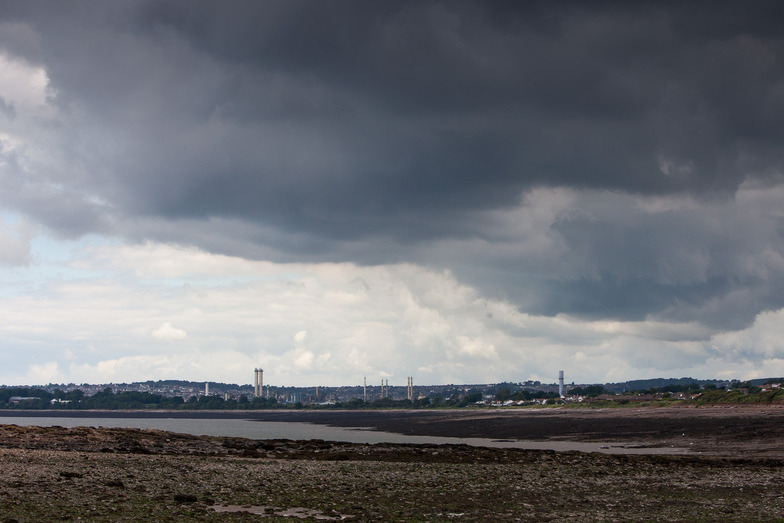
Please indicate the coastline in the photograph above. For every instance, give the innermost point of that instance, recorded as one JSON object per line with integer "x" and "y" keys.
{"x": 716, "y": 430}
{"x": 146, "y": 475}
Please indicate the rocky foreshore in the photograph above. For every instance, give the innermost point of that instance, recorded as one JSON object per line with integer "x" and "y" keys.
{"x": 103, "y": 474}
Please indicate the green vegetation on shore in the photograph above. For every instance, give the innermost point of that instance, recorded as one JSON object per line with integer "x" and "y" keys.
{"x": 738, "y": 396}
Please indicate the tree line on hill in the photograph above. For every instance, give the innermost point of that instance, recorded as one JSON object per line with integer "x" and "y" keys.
{"x": 737, "y": 392}
{"x": 35, "y": 398}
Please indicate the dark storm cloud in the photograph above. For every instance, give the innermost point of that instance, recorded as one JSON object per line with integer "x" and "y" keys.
{"x": 425, "y": 104}
{"x": 363, "y": 131}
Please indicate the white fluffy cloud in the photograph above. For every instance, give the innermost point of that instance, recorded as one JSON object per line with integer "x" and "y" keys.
{"x": 168, "y": 333}
{"x": 47, "y": 372}
{"x": 331, "y": 324}
{"x": 22, "y": 85}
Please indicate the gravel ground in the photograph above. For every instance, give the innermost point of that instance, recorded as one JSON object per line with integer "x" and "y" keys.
{"x": 56, "y": 474}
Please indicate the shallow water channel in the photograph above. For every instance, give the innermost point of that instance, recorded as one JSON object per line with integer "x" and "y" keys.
{"x": 305, "y": 431}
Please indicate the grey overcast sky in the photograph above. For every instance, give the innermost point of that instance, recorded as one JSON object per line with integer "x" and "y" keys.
{"x": 457, "y": 191}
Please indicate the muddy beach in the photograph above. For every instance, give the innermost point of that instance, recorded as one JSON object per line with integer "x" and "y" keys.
{"x": 734, "y": 473}
{"x": 713, "y": 430}
{"x": 716, "y": 430}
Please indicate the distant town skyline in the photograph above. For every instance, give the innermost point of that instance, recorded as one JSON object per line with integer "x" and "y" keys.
{"x": 456, "y": 191}
{"x": 312, "y": 393}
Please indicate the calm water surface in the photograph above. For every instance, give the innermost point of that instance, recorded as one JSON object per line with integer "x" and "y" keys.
{"x": 291, "y": 430}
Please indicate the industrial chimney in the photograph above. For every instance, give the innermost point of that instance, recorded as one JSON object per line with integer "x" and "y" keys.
{"x": 560, "y": 383}
{"x": 258, "y": 382}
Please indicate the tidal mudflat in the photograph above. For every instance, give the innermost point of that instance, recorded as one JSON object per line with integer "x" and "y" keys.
{"x": 105, "y": 474}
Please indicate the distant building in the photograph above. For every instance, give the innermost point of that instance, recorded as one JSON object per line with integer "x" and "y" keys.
{"x": 17, "y": 399}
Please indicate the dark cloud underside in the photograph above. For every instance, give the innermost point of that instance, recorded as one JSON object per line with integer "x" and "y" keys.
{"x": 402, "y": 123}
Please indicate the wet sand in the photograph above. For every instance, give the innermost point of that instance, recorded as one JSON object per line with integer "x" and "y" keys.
{"x": 717, "y": 431}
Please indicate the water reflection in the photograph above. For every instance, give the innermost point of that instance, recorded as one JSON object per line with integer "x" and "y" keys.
{"x": 304, "y": 431}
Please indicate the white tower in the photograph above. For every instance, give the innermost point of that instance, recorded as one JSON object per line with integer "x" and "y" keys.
{"x": 560, "y": 383}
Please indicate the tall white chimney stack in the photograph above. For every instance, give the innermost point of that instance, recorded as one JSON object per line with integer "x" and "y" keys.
{"x": 560, "y": 383}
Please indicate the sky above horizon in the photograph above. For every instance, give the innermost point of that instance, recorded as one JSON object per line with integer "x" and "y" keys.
{"x": 462, "y": 192}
